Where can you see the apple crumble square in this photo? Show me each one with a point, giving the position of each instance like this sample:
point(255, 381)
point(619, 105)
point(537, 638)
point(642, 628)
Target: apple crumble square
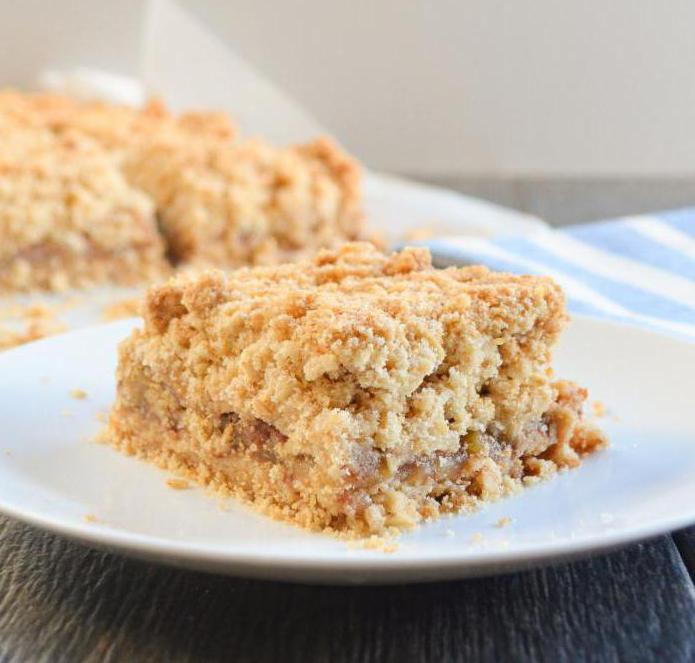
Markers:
point(356, 392)
point(97, 193)
point(68, 217)
point(248, 203)
point(118, 129)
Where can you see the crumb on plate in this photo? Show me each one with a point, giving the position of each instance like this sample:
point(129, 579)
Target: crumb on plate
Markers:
point(374, 542)
point(598, 408)
point(124, 308)
point(419, 234)
point(33, 330)
point(178, 484)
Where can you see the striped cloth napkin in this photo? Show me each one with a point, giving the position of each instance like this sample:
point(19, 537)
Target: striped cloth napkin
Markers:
point(639, 270)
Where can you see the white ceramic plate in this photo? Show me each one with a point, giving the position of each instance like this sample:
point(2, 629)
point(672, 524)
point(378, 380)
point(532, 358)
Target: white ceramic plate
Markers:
point(53, 476)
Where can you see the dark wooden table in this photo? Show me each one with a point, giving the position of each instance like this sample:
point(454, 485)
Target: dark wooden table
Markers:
point(60, 601)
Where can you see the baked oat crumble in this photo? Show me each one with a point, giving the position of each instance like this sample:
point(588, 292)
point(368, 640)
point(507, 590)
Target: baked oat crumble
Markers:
point(178, 484)
point(96, 193)
point(23, 323)
point(356, 393)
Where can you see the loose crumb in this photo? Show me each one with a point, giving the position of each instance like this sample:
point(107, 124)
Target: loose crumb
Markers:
point(90, 518)
point(598, 408)
point(71, 303)
point(178, 484)
point(34, 330)
point(78, 394)
point(374, 542)
point(101, 436)
point(340, 338)
point(28, 323)
point(477, 538)
point(124, 308)
point(28, 312)
point(11, 311)
point(503, 522)
point(38, 312)
point(419, 234)
point(103, 417)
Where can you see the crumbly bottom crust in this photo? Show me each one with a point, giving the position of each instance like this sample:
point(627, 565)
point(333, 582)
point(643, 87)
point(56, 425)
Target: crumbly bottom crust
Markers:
point(379, 500)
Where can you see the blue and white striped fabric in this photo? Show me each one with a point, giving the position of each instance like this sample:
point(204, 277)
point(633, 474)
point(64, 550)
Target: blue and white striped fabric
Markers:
point(639, 270)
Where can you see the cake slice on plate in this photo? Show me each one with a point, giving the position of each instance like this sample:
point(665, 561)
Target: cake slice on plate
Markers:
point(356, 392)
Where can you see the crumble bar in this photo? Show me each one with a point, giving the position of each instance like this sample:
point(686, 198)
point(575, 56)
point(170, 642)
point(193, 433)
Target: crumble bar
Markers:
point(356, 392)
point(248, 203)
point(97, 193)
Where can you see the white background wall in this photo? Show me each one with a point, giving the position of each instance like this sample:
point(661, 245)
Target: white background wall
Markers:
point(469, 87)
point(484, 86)
point(39, 34)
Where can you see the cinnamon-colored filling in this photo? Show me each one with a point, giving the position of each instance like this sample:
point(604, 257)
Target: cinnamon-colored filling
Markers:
point(260, 438)
point(369, 466)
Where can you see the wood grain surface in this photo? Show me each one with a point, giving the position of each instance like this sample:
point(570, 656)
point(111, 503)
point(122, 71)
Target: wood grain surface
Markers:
point(60, 601)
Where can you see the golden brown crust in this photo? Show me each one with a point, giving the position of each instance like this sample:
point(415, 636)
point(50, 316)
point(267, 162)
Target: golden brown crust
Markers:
point(357, 391)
